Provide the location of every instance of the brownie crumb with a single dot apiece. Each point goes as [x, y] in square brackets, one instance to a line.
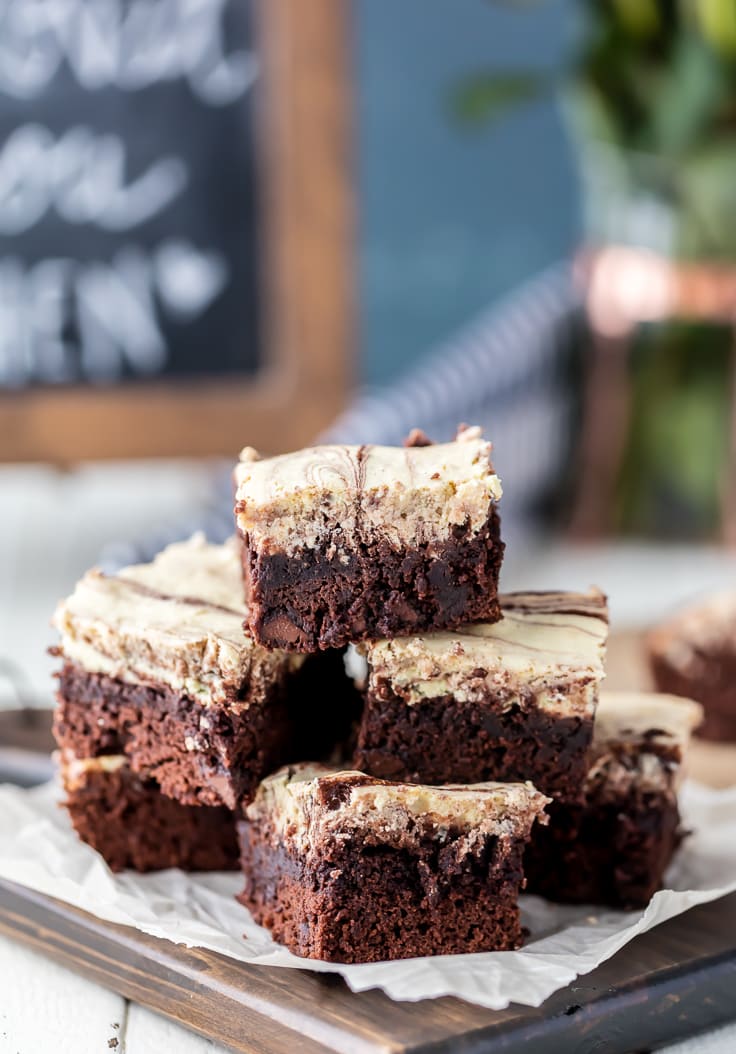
[417, 438]
[448, 740]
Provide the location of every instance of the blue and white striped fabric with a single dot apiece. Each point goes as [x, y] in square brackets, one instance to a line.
[508, 371]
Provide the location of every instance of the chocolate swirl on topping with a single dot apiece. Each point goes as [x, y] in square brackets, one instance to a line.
[551, 643]
[324, 463]
[588, 605]
[173, 598]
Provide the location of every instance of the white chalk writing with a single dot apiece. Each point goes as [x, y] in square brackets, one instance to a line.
[82, 176]
[109, 313]
[63, 318]
[125, 45]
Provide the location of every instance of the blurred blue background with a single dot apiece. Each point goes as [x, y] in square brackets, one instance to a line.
[451, 216]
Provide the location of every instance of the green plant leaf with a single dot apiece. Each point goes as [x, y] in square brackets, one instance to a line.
[488, 96]
[688, 93]
[707, 188]
[717, 20]
[591, 113]
[640, 18]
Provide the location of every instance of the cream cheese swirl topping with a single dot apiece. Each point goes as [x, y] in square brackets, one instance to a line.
[176, 621]
[307, 802]
[340, 495]
[544, 641]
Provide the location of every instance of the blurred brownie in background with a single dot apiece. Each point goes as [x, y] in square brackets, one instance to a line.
[347, 868]
[344, 543]
[615, 846]
[693, 654]
[510, 700]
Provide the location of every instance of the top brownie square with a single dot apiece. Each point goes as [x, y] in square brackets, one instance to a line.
[346, 543]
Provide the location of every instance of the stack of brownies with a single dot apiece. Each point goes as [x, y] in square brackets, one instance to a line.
[343, 692]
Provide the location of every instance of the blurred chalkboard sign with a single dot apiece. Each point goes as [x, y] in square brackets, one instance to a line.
[174, 225]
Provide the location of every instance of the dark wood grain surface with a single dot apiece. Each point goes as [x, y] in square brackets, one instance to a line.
[677, 979]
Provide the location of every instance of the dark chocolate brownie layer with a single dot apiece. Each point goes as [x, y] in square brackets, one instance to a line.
[368, 903]
[612, 849]
[203, 755]
[133, 825]
[314, 600]
[711, 680]
[614, 854]
[445, 740]
[198, 755]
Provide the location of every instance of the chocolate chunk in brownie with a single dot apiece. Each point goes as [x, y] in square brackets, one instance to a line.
[344, 543]
[614, 847]
[510, 700]
[347, 868]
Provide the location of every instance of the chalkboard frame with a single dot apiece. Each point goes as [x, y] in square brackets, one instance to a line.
[304, 136]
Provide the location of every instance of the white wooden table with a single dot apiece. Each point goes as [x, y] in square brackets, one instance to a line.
[45, 1008]
[52, 526]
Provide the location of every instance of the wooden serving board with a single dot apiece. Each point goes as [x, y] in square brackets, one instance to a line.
[677, 979]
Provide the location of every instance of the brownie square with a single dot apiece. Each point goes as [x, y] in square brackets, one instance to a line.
[510, 700]
[133, 825]
[693, 654]
[346, 868]
[344, 543]
[157, 667]
[614, 847]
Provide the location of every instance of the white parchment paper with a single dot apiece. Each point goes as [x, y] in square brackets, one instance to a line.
[39, 849]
